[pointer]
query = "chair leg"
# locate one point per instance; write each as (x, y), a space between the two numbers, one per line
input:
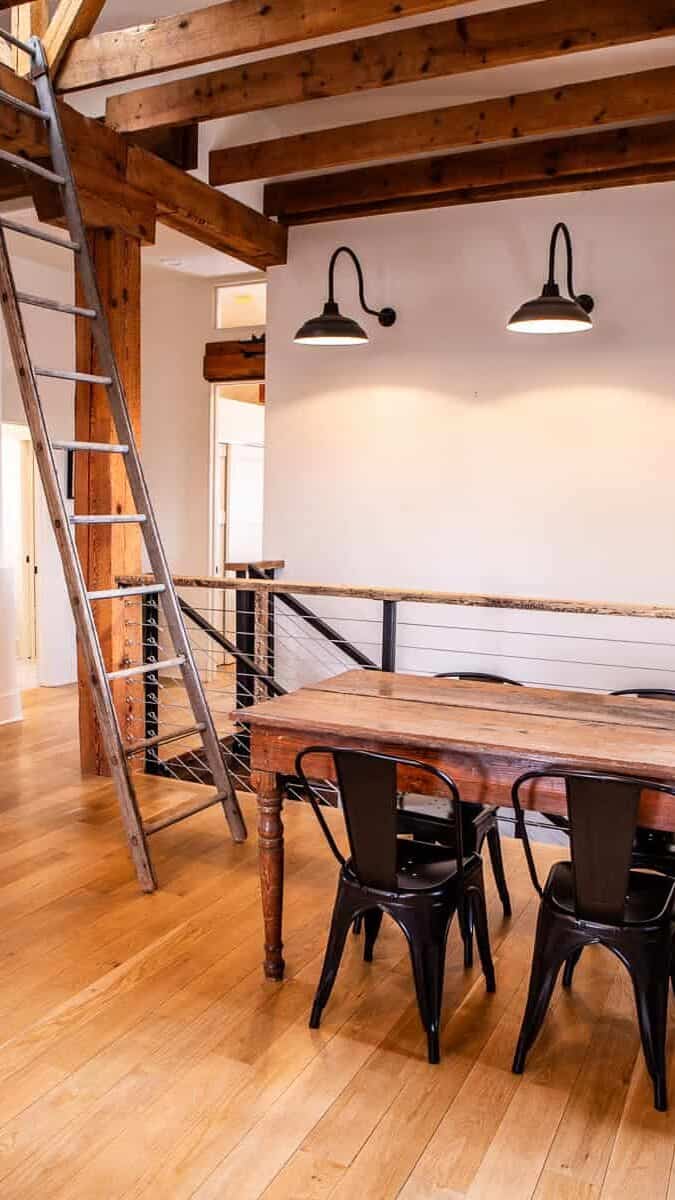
(372, 921)
(343, 916)
(427, 933)
(549, 954)
(495, 848)
(651, 984)
(358, 922)
(570, 964)
(477, 898)
(465, 919)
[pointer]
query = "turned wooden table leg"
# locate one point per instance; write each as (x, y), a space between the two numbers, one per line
(271, 864)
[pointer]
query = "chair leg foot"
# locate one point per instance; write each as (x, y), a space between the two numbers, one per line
(315, 1018)
(433, 1047)
(519, 1060)
(660, 1094)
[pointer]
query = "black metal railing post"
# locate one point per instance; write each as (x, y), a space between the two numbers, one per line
(389, 615)
(150, 636)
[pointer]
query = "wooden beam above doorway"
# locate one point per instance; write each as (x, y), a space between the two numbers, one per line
(234, 361)
(542, 30)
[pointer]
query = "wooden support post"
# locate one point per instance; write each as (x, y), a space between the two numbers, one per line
(26, 20)
(101, 484)
(261, 640)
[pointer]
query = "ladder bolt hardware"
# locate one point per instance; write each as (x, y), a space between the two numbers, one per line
(95, 669)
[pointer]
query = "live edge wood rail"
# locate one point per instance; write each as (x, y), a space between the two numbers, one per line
(597, 608)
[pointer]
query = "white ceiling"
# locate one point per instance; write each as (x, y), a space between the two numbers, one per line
(343, 110)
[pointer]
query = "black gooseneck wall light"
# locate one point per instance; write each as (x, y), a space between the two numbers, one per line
(331, 328)
(551, 312)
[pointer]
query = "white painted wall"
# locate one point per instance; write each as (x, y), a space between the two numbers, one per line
(52, 343)
(450, 454)
(176, 322)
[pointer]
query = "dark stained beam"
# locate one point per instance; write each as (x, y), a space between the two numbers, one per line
(178, 145)
(546, 29)
(644, 95)
(641, 154)
(234, 361)
(220, 31)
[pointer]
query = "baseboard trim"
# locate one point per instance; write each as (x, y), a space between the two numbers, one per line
(10, 708)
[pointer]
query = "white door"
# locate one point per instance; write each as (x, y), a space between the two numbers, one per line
(244, 504)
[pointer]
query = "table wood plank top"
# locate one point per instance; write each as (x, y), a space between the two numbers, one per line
(601, 732)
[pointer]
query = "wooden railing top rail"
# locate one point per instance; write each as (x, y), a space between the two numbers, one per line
(603, 608)
(265, 564)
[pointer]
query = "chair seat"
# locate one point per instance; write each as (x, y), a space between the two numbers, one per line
(423, 866)
(647, 893)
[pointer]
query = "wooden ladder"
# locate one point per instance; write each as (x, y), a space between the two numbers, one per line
(60, 174)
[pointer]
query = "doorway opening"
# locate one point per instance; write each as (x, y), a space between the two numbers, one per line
(17, 475)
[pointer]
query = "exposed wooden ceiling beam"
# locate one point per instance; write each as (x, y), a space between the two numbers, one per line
(642, 154)
(192, 207)
(221, 31)
(72, 19)
(106, 165)
(542, 30)
(645, 95)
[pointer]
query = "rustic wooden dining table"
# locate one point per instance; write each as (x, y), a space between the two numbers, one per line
(483, 734)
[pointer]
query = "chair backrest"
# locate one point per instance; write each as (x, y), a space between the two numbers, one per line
(478, 677)
(369, 794)
(646, 693)
(602, 812)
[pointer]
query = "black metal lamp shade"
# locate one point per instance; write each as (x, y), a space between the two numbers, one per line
(550, 312)
(331, 328)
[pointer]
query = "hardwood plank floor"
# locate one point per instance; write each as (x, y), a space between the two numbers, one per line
(144, 1057)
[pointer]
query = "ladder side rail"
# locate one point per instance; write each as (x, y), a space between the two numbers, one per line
(107, 363)
(82, 613)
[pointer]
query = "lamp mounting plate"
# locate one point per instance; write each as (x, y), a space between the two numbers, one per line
(386, 317)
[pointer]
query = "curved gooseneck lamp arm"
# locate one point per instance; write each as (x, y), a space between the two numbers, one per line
(551, 287)
(386, 316)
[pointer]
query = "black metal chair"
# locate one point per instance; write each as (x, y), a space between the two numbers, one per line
(420, 816)
(420, 886)
(597, 897)
(652, 848)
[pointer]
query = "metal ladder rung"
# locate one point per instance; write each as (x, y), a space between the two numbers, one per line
(163, 739)
(96, 447)
(13, 41)
(52, 238)
(147, 668)
(73, 376)
(27, 164)
(151, 589)
(31, 110)
(110, 519)
(180, 814)
(56, 305)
